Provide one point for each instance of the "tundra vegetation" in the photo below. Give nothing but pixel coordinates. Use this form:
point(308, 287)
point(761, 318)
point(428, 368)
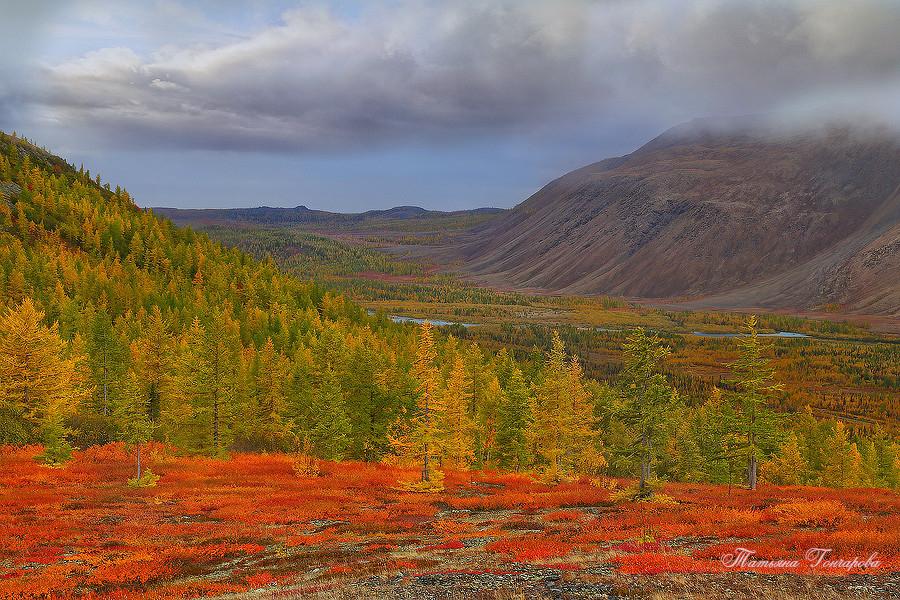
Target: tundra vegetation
point(145, 369)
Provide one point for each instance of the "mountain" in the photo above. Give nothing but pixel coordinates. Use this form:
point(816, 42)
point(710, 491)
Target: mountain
point(302, 215)
point(716, 216)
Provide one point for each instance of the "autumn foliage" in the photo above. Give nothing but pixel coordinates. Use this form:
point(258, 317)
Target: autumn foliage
point(213, 526)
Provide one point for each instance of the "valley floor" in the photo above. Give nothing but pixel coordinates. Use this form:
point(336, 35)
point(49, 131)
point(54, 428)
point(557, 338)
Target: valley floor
point(251, 527)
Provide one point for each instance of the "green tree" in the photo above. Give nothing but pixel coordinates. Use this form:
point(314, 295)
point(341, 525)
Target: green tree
point(719, 439)
point(54, 435)
point(650, 403)
point(514, 422)
point(270, 399)
point(843, 465)
point(331, 430)
point(151, 359)
point(132, 418)
point(202, 399)
point(754, 382)
point(107, 359)
point(563, 432)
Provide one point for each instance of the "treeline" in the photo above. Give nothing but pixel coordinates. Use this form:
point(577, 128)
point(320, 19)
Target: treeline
point(118, 325)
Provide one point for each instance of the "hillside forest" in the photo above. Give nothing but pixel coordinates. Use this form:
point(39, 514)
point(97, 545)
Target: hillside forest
point(119, 326)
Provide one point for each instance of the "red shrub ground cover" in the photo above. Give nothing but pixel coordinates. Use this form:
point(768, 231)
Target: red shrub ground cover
point(212, 526)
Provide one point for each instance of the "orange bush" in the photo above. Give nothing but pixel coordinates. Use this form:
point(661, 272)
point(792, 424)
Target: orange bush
point(656, 563)
point(803, 513)
point(530, 548)
point(80, 531)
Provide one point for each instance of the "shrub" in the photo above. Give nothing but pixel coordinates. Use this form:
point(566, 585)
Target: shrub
point(260, 580)
point(530, 548)
point(434, 484)
point(304, 463)
point(805, 513)
point(147, 479)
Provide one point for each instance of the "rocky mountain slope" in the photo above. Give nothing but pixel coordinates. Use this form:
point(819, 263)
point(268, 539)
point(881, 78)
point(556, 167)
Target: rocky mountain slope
point(717, 217)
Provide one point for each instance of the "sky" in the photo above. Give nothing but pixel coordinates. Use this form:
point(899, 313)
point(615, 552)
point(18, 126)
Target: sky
point(351, 106)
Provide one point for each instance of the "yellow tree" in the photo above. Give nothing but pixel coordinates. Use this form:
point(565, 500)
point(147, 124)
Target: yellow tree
point(789, 467)
point(551, 412)
point(458, 426)
point(843, 464)
point(269, 381)
point(151, 362)
point(421, 439)
point(38, 381)
point(583, 453)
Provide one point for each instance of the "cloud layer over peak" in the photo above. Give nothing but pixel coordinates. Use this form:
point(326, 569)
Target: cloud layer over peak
point(317, 79)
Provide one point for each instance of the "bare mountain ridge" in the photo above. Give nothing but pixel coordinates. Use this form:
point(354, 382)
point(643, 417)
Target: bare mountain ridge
point(721, 218)
point(301, 215)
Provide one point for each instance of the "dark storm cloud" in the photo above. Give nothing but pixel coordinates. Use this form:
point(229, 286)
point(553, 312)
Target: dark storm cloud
point(319, 80)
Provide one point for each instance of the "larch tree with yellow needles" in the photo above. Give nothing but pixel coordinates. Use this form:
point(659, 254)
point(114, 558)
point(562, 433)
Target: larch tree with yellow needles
point(422, 438)
point(457, 424)
point(39, 385)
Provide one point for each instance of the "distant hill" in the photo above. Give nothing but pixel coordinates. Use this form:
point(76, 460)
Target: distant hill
point(302, 215)
point(722, 217)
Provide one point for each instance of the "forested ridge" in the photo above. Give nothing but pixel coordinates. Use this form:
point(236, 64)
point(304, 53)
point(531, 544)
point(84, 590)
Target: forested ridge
point(118, 325)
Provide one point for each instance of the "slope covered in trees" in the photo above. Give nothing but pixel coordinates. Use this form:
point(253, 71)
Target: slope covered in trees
point(117, 325)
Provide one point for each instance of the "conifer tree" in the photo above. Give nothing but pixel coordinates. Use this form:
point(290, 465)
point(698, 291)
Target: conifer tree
point(330, 433)
point(458, 428)
point(551, 412)
point(649, 400)
point(202, 395)
point(38, 383)
point(887, 456)
point(271, 373)
point(843, 465)
point(583, 448)
point(869, 467)
point(54, 436)
point(106, 358)
point(220, 348)
point(686, 455)
point(132, 418)
point(563, 432)
point(183, 423)
point(151, 357)
point(754, 382)
point(788, 467)
point(366, 389)
point(421, 438)
point(514, 422)
point(718, 437)
point(479, 398)
point(486, 421)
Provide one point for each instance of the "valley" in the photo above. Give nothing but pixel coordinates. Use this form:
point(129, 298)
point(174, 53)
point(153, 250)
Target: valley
point(387, 266)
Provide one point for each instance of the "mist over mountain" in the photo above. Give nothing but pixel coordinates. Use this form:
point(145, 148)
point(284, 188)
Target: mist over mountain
point(719, 215)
